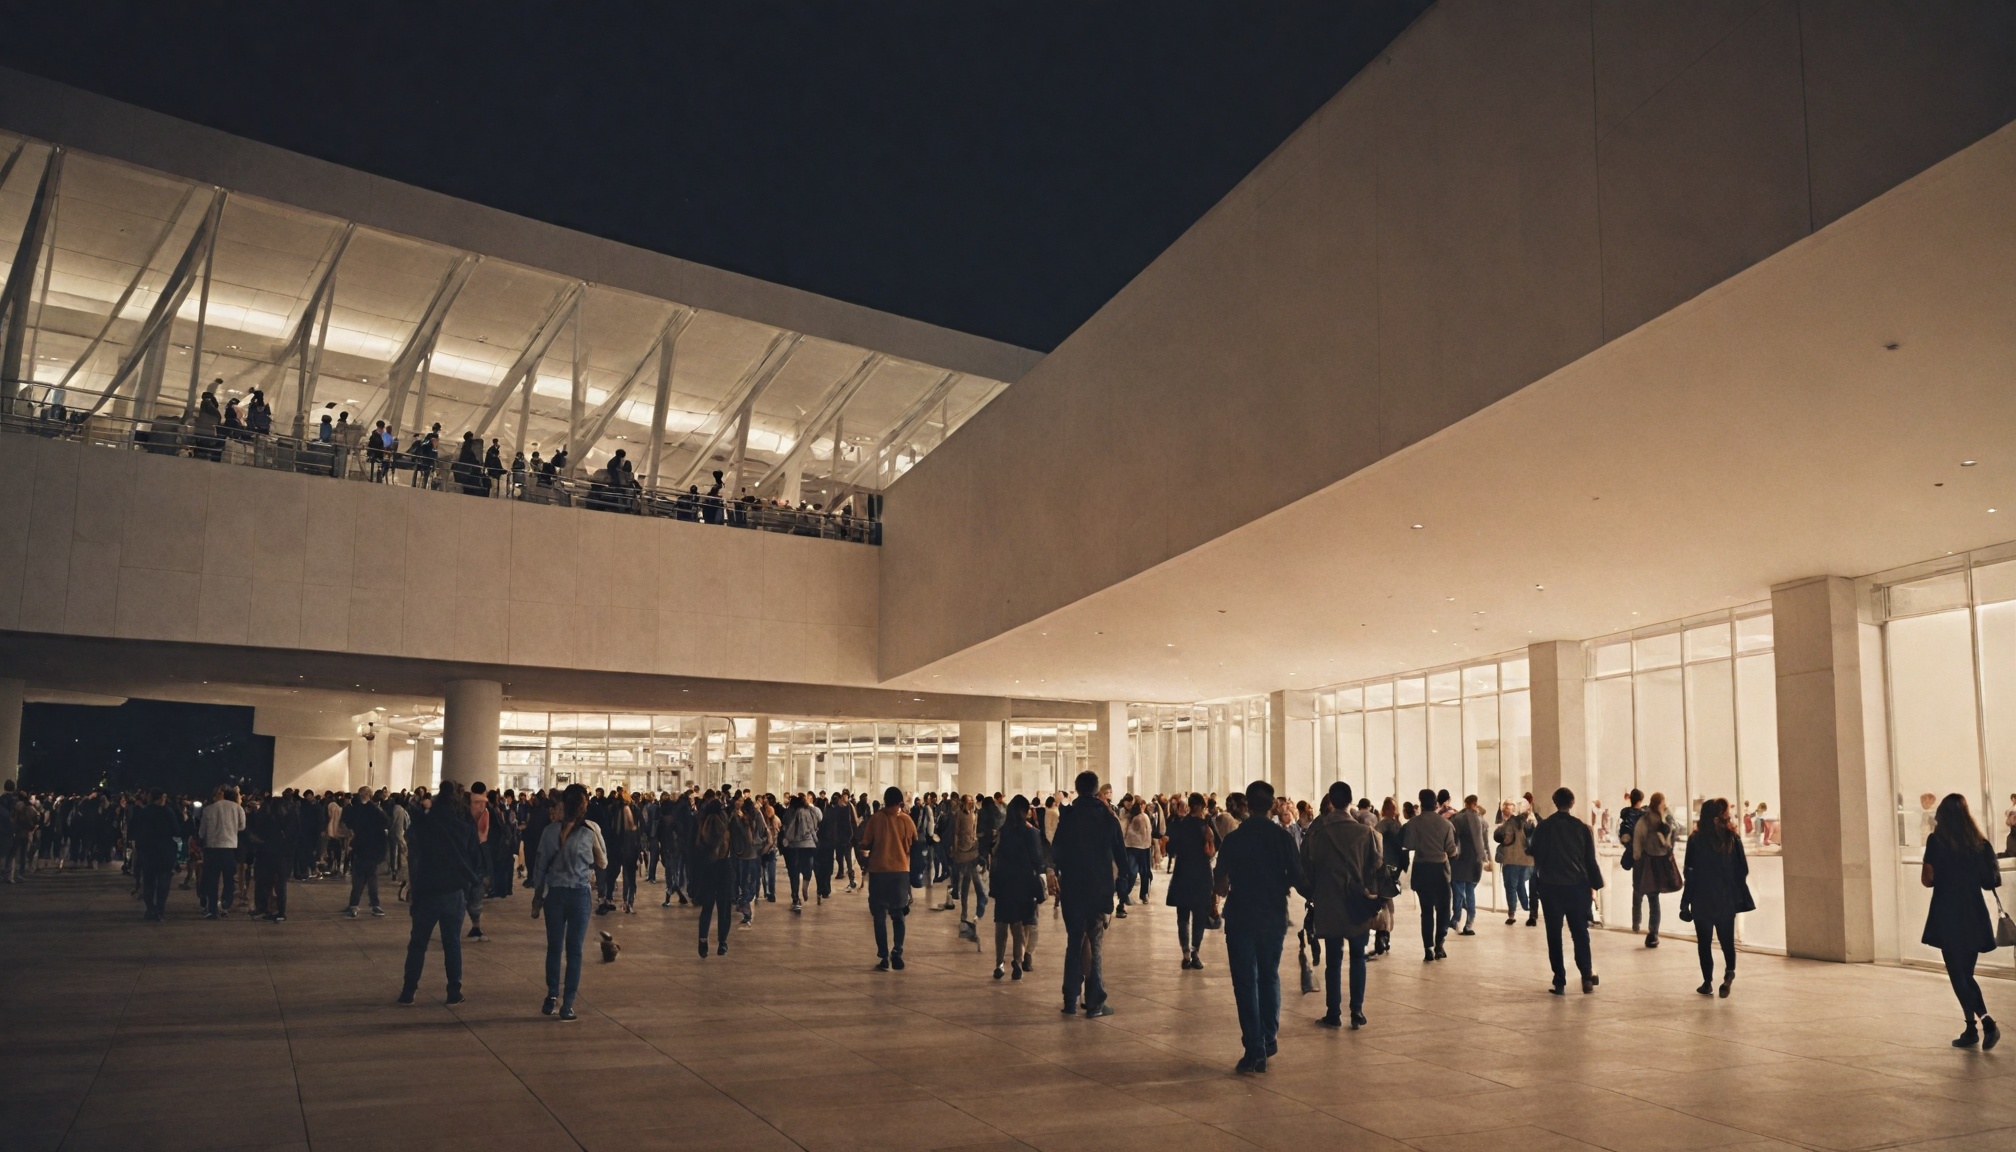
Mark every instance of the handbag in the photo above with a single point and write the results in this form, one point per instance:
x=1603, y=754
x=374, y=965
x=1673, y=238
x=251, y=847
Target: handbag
x=1309, y=973
x=2005, y=928
x=1669, y=873
x=1383, y=920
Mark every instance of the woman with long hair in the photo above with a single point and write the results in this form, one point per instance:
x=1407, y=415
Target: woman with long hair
x=1653, y=874
x=1959, y=864
x=563, y=878
x=1015, y=882
x=710, y=871
x=1716, y=888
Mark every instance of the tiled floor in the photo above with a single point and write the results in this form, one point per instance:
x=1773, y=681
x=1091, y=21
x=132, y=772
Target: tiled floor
x=119, y=1034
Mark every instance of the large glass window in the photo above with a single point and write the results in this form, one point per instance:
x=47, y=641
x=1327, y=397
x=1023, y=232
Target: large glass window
x=1687, y=709
x=1466, y=728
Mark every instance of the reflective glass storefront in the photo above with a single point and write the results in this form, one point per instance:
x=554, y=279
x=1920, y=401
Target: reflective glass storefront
x=1949, y=675
x=1467, y=728
x=1039, y=758
x=819, y=755
x=1209, y=748
x=1689, y=709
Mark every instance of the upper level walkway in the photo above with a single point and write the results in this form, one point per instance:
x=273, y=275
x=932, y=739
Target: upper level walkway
x=793, y=1041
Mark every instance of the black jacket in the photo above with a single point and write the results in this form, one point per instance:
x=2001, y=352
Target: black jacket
x=152, y=830
x=1564, y=853
x=446, y=859
x=1089, y=854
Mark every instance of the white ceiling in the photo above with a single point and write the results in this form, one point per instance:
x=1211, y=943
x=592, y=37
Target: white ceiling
x=1760, y=433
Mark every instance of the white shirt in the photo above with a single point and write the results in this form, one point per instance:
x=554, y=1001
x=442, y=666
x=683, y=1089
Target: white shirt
x=220, y=824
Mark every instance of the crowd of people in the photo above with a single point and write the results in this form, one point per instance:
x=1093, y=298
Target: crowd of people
x=1236, y=867
x=335, y=445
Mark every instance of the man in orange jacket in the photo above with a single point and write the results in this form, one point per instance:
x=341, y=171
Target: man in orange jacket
x=887, y=837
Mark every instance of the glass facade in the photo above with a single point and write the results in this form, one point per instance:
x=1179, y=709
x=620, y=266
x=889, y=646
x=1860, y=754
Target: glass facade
x=1210, y=748
x=1689, y=708
x=1039, y=758
x=160, y=287
x=1949, y=671
x=1467, y=728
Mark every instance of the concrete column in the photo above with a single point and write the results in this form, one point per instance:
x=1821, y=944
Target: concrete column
x=1560, y=727
x=470, y=727
x=761, y=780
x=421, y=770
x=1291, y=743
x=11, y=692
x=1112, y=759
x=1830, y=759
x=980, y=757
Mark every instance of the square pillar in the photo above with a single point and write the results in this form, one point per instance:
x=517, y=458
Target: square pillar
x=1830, y=752
x=1291, y=743
x=11, y=694
x=1112, y=759
x=1560, y=725
x=761, y=780
x=980, y=757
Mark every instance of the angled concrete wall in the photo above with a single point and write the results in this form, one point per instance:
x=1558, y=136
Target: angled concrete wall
x=99, y=542
x=1511, y=186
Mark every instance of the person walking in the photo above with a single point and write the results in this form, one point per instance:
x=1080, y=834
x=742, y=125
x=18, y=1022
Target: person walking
x=563, y=882
x=1514, y=864
x=1192, y=843
x=1959, y=864
x=273, y=829
x=1257, y=869
x=1341, y=861
x=446, y=866
x=962, y=846
x=836, y=844
x=1466, y=867
x=1627, y=819
x=1654, y=872
x=218, y=827
x=1567, y=873
x=1427, y=843
x=151, y=831
x=1087, y=855
x=710, y=871
x=889, y=837
x=1137, y=831
x=1015, y=880
x=800, y=836
x=1717, y=888
x=368, y=832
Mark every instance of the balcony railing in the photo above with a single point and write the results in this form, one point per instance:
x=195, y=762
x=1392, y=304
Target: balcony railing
x=341, y=460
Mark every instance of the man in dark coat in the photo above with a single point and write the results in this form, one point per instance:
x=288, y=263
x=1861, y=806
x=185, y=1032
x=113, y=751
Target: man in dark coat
x=1566, y=875
x=447, y=863
x=152, y=830
x=1087, y=855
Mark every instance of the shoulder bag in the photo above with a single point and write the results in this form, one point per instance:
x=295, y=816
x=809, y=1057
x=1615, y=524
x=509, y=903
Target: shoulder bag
x=2005, y=928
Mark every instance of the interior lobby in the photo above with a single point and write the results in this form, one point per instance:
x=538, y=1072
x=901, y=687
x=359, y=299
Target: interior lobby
x=1591, y=396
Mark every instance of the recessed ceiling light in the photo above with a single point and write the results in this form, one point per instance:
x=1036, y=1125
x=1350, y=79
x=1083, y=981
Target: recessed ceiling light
x=1169, y=645
x=1417, y=525
x=1968, y=463
x=1448, y=598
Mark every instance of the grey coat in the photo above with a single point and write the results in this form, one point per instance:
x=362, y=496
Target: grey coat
x=1473, y=847
x=1341, y=861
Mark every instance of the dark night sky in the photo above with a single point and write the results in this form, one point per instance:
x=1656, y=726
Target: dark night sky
x=998, y=168
x=186, y=748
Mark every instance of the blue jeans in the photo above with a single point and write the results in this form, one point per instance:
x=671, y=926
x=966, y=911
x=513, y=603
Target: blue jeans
x=747, y=879
x=1466, y=901
x=1518, y=888
x=1084, y=935
x=567, y=913
x=1253, y=952
x=429, y=913
x=1333, y=965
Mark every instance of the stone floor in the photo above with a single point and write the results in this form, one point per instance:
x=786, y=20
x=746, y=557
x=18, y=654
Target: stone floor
x=119, y=1034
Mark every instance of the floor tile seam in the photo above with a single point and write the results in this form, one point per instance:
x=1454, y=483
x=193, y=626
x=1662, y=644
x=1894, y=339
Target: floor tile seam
x=154, y=945
x=697, y=1075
